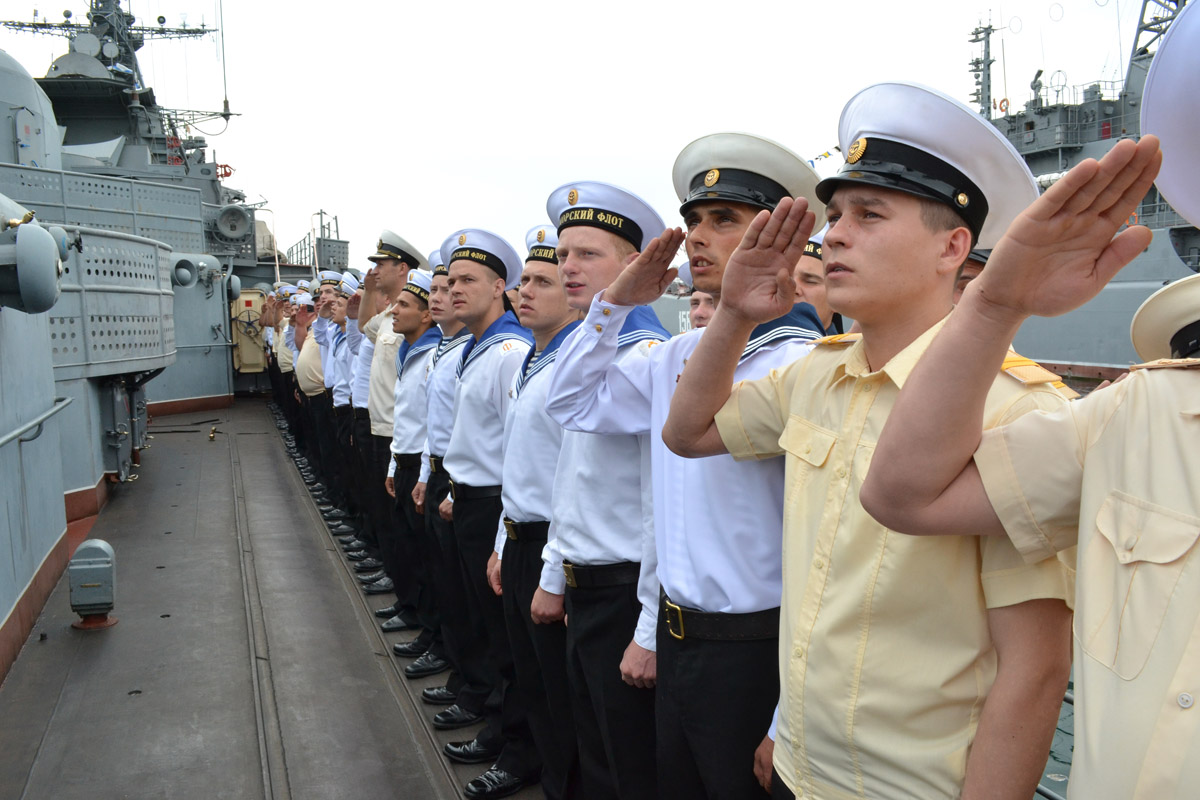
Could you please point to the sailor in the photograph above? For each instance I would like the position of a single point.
(433, 485)
(718, 524)
(1112, 476)
(532, 441)
(326, 428)
(603, 554)
(362, 453)
(310, 379)
(971, 268)
(411, 320)
(810, 285)
(908, 668)
(483, 267)
(393, 259)
(701, 305)
(284, 358)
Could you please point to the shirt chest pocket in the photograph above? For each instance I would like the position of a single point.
(808, 447)
(1127, 575)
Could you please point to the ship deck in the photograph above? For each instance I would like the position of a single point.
(246, 662)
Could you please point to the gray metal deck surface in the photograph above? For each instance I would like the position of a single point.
(246, 663)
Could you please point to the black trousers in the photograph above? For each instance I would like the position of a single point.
(352, 471)
(475, 523)
(412, 547)
(466, 655)
(779, 790)
(291, 406)
(326, 442)
(312, 452)
(387, 531)
(362, 452)
(540, 659)
(714, 704)
(614, 721)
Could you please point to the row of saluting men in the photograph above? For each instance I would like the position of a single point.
(738, 619)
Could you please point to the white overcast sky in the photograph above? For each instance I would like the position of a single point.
(426, 117)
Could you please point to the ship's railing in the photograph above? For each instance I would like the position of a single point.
(1159, 215)
(59, 404)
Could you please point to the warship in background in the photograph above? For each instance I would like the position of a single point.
(162, 271)
(1059, 126)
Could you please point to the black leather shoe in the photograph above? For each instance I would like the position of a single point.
(429, 664)
(399, 623)
(370, 577)
(492, 784)
(344, 530)
(357, 544)
(317, 488)
(414, 649)
(381, 586)
(323, 507)
(347, 538)
(466, 752)
(369, 565)
(357, 555)
(334, 514)
(387, 612)
(437, 695)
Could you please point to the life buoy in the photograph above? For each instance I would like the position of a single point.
(1004, 106)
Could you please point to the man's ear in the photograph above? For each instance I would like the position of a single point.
(955, 251)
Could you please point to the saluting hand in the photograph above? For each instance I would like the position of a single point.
(1060, 251)
(370, 280)
(648, 273)
(758, 283)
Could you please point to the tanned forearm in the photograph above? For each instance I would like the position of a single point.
(1033, 647)
(704, 386)
(911, 486)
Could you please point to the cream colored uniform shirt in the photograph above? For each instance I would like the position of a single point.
(283, 353)
(308, 367)
(381, 396)
(885, 657)
(1119, 472)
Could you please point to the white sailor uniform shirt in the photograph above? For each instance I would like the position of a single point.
(289, 339)
(360, 375)
(409, 406)
(342, 351)
(441, 380)
(718, 523)
(602, 505)
(528, 474)
(485, 373)
(322, 334)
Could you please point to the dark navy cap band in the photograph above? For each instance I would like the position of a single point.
(736, 185)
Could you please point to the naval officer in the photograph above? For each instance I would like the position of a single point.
(718, 524)
(602, 555)
(916, 668)
(532, 441)
(1114, 473)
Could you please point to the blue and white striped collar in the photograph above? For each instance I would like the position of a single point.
(427, 341)
(801, 323)
(642, 325)
(448, 343)
(536, 362)
(505, 328)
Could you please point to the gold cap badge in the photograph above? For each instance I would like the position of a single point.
(541, 237)
(962, 199)
(712, 177)
(572, 197)
(856, 151)
(462, 238)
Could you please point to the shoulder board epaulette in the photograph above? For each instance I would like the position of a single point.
(839, 339)
(1029, 372)
(1169, 363)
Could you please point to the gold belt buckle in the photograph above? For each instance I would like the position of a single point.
(677, 617)
(511, 528)
(569, 571)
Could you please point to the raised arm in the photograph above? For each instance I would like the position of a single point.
(757, 287)
(1056, 256)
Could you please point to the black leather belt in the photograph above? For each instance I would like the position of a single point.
(527, 531)
(581, 576)
(407, 460)
(691, 623)
(362, 413)
(461, 491)
(435, 464)
(339, 411)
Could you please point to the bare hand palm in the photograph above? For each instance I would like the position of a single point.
(645, 278)
(758, 282)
